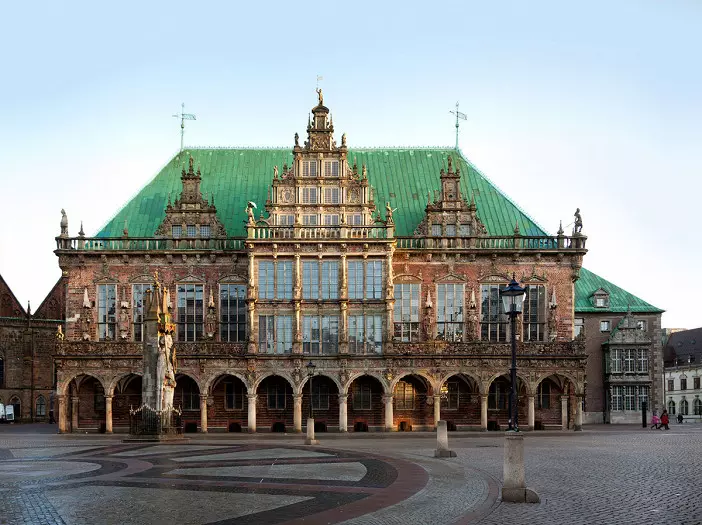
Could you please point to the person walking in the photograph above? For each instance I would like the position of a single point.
(664, 420)
(655, 421)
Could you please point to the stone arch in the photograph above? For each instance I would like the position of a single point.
(214, 379)
(522, 379)
(16, 401)
(301, 387)
(429, 381)
(375, 375)
(184, 395)
(257, 383)
(112, 383)
(65, 383)
(448, 375)
(275, 405)
(579, 388)
(366, 400)
(227, 403)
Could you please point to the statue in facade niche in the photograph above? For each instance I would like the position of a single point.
(210, 322)
(123, 323)
(578, 225)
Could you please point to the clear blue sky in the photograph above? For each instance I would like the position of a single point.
(594, 106)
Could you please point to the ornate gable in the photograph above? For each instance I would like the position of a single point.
(447, 213)
(54, 305)
(191, 215)
(9, 305)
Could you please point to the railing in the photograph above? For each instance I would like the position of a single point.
(493, 243)
(148, 243)
(146, 421)
(318, 232)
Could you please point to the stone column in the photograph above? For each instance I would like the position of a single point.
(252, 413)
(530, 411)
(389, 423)
(564, 412)
(203, 413)
(437, 409)
(297, 412)
(343, 414)
(579, 413)
(108, 414)
(62, 414)
(74, 414)
(483, 411)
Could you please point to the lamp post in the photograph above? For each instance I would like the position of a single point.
(310, 372)
(512, 299)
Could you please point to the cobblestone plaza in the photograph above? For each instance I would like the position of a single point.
(602, 475)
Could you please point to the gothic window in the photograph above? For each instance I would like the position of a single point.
(534, 313)
(616, 361)
(309, 220)
(331, 220)
(275, 334)
(406, 314)
(361, 395)
(176, 231)
(331, 195)
(309, 195)
(643, 360)
(234, 394)
(232, 299)
(365, 334)
(275, 276)
(191, 230)
(276, 396)
(107, 311)
(493, 321)
(684, 407)
(204, 231)
(190, 312)
(286, 220)
(41, 407)
(309, 168)
(404, 396)
(543, 395)
(139, 309)
(449, 312)
(331, 168)
(579, 324)
(671, 407)
(697, 406)
(683, 383)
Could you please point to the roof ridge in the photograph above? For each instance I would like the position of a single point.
(290, 148)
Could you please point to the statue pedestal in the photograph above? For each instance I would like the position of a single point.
(442, 448)
(310, 440)
(513, 485)
(149, 425)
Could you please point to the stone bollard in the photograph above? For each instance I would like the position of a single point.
(442, 448)
(513, 486)
(310, 440)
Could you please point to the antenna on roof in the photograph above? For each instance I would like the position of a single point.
(461, 116)
(183, 116)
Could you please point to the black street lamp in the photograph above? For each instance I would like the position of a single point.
(310, 372)
(512, 299)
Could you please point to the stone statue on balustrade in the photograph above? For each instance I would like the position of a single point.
(578, 224)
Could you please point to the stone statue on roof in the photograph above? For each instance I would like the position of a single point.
(578, 225)
(64, 224)
(321, 98)
(275, 172)
(343, 139)
(297, 139)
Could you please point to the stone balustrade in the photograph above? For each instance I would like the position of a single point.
(517, 242)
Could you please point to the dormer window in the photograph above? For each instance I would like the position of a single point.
(204, 230)
(176, 231)
(309, 168)
(192, 230)
(450, 230)
(641, 325)
(601, 298)
(331, 168)
(436, 230)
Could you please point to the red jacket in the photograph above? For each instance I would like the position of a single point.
(664, 419)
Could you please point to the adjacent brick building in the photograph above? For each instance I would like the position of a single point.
(381, 267)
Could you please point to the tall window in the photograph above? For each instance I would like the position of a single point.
(2, 373)
(361, 395)
(498, 395)
(41, 407)
(190, 312)
(579, 324)
(683, 383)
(695, 383)
(629, 360)
(276, 396)
(616, 402)
(320, 280)
(320, 334)
(204, 231)
(320, 396)
(643, 360)
(697, 406)
(232, 309)
(139, 309)
(534, 313)
(406, 314)
(671, 385)
(630, 398)
(176, 231)
(453, 398)
(275, 279)
(107, 311)
(449, 312)
(644, 392)
(543, 394)
(366, 334)
(684, 407)
(275, 334)
(309, 168)
(404, 396)
(493, 321)
(365, 276)
(616, 361)
(234, 393)
(671, 407)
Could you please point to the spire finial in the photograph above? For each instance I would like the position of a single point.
(81, 233)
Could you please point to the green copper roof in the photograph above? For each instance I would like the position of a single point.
(619, 300)
(235, 176)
